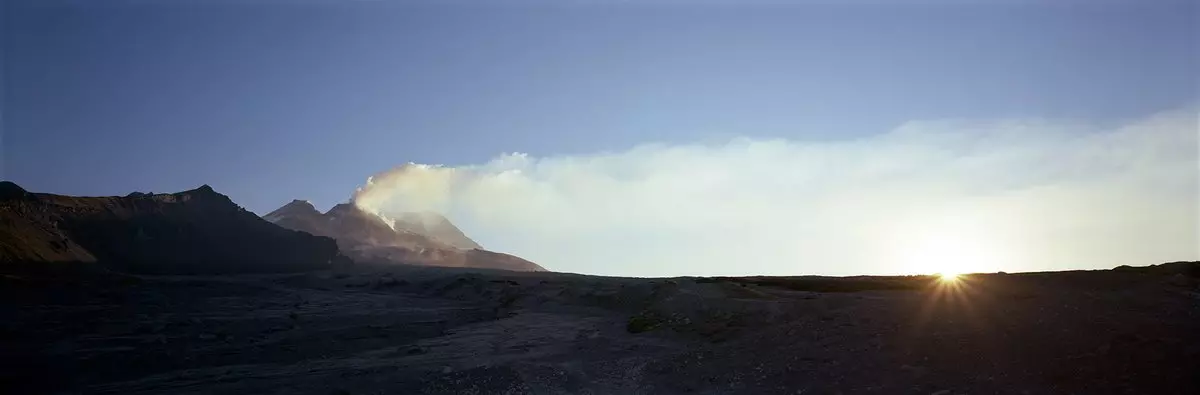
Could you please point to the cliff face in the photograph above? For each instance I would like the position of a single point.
(190, 232)
(416, 239)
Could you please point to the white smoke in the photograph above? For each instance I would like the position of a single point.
(927, 196)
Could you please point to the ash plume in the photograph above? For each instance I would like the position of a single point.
(1025, 194)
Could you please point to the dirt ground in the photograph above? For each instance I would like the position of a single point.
(394, 330)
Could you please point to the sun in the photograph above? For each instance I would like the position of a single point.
(949, 253)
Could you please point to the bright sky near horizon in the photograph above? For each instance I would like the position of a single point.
(656, 138)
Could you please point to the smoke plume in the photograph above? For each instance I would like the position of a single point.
(1014, 195)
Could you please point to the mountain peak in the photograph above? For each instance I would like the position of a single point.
(9, 185)
(351, 212)
(294, 209)
(344, 208)
(202, 190)
(10, 190)
(205, 194)
(421, 238)
(300, 204)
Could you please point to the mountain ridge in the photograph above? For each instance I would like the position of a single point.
(189, 232)
(426, 239)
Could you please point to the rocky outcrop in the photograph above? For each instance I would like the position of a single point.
(426, 239)
(190, 232)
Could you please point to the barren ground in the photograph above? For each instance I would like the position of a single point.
(423, 330)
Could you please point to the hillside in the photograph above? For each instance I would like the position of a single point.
(195, 231)
(425, 239)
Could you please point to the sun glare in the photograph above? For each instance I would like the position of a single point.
(948, 250)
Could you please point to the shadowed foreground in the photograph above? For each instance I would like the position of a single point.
(431, 330)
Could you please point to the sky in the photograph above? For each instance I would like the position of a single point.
(644, 138)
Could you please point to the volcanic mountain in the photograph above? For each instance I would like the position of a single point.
(190, 232)
(426, 238)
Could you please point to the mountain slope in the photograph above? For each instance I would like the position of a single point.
(436, 226)
(417, 239)
(196, 231)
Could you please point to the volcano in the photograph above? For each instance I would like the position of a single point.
(423, 238)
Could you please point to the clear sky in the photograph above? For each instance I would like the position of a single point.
(272, 102)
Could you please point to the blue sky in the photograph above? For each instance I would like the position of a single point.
(272, 102)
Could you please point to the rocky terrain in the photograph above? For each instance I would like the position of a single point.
(402, 329)
(426, 239)
(196, 231)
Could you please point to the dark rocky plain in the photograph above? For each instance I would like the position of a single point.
(395, 330)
